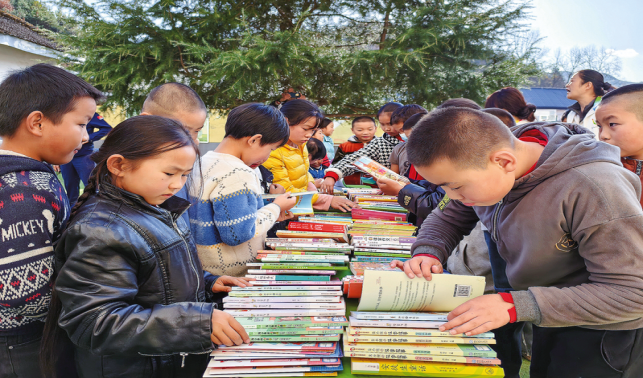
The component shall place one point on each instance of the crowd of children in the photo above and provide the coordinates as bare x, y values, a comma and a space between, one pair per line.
128, 281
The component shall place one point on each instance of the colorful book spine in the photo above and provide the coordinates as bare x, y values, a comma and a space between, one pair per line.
375, 214
385, 239
422, 369
424, 349
417, 340
269, 277
297, 338
306, 287
395, 323
373, 315
286, 305
297, 283
275, 362
289, 322
320, 227
420, 332
294, 331
280, 294
415, 357
288, 312
297, 266
291, 271
262, 299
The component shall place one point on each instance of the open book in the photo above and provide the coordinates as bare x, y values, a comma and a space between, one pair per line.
395, 291
377, 170
304, 204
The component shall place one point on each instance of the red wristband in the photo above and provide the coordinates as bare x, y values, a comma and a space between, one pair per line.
427, 255
512, 311
334, 175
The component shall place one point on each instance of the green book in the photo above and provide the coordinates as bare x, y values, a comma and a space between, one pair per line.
331, 330
262, 339
264, 322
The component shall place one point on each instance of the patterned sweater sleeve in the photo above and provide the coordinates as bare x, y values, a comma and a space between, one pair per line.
372, 150
239, 214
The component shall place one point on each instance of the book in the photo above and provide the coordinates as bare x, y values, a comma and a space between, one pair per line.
215, 372
291, 321
304, 204
302, 338
282, 288
288, 312
285, 299
273, 294
291, 271
377, 170
424, 349
396, 256
377, 214
400, 368
396, 323
385, 239
307, 347
286, 305
420, 332
405, 316
275, 362
395, 291
299, 240
295, 331
296, 283
278, 375
418, 340
415, 357
296, 266
277, 278
358, 267
339, 236
296, 259
320, 227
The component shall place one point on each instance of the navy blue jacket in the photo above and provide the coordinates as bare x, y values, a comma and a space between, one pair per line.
97, 128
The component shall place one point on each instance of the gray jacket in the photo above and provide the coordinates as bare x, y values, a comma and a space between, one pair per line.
571, 233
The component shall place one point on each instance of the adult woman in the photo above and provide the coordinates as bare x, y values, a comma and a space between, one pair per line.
586, 87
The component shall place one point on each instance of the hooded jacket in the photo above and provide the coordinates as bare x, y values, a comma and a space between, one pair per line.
135, 300
571, 233
33, 212
635, 166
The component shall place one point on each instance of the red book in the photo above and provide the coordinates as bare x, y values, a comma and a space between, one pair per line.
319, 227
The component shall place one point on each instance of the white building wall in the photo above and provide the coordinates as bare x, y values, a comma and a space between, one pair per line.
13, 59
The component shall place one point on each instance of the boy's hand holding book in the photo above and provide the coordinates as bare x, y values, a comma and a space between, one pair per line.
420, 266
226, 330
389, 187
478, 315
223, 283
285, 202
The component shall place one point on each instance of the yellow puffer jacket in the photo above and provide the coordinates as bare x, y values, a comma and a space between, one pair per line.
290, 166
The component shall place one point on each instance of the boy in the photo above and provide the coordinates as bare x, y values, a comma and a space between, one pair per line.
619, 118
38, 127
567, 221
379, 149
316, 155
363, 128
327, 128
230, 221
398, 160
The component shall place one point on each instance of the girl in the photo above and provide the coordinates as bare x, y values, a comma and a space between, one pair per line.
586, 87
289, 164
327, 128
316, 154
133, 298
512, 100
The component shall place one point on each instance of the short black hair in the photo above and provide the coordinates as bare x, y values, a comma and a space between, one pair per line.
325, 122
406, 111
170, 98
363, 119
459, 103
316, 149
504, 116
254, 118
389, 107
412, 121
464, 136
634, 95
42, 87
298, 111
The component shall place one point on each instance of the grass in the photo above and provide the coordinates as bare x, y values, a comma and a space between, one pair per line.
524, 369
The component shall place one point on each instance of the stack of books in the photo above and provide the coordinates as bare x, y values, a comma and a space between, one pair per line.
380, 248
294, 312
384, 338
353, 284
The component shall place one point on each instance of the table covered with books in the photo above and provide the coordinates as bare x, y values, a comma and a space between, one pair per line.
326, 303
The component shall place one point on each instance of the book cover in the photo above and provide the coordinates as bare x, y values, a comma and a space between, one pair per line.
261, 299
397, 256
292, 321
215, 372
420, 332
396, 323
286, 305
283, 288
415, 357
376, 214
297, 283
422, 369
332, 330
272, 294
304, 204
296, 266
303, 338
278, 375
424, 349
292, 271
299, 240
227, 355
271, 278
358, 267
319, 227
377, 170
381, 245
417, 340
377, 250
315, 254
275, 362
395, 291
288, 312
386, 239
296, 259
423, 316
271, 347
339, 236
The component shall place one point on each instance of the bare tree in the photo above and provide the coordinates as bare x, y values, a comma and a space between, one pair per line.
565, 63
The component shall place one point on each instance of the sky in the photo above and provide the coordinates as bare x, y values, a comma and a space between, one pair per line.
615, 24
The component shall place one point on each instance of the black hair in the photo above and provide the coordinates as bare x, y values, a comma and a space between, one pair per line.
41, 87
254, 118
170, 98
635, 91
298, 111
363, 119
389, 107
464, 136
459, 103
504, 116
135, 139
316, 149
601, 87
403, 113
412, 121
512, 100
325, 122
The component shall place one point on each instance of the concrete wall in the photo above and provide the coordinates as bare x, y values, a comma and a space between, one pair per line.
13, 59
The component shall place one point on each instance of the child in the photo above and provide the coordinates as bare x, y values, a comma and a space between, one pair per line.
327, 128
620, 122
134, 299
231, 221
379, 149
398, 160
503, 115
512, 100
567, 220
45, 111
289, 164
363, 128
401, 115
316, 154
319, 135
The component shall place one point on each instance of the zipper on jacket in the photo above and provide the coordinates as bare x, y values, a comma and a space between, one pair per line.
496, 215
187, 248
183, 355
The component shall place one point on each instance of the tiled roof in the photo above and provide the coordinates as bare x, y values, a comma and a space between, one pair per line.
19, 28
547, 98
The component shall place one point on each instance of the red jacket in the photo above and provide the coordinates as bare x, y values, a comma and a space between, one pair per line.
347, 148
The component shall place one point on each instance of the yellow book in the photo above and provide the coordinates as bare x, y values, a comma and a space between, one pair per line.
401, 368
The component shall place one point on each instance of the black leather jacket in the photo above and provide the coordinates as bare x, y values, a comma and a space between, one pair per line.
134, 296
